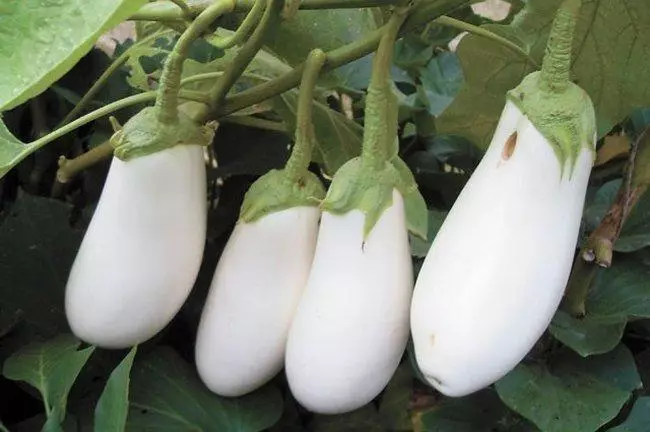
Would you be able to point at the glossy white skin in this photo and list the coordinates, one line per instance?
(253, 297)
(351, 327)
(142, 251)
(497, 269)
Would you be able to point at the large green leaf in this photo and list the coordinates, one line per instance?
(166, 394)
(113, 405)
(610, 49)
(617, 294)
(38, 248)
(639, 418)
(41, 40)
(481, 411)
(364, 419)
(571, 393)
(52, 368)
(327, 30)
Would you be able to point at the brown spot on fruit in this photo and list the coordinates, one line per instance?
(509, 147)
(432, 339)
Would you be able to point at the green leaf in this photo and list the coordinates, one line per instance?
(166, 394)
(396, 400)
(38, 248)
(412, 52)
(365, 419)
(617, 294)
(12, 150)
(571, 393)
(41, 40)
(610, 45)
(482, 411)
(639, 418)
(52, 368)
(113, 405)
(419, 247)
(338, 139)
(327, 30)
(441, 80)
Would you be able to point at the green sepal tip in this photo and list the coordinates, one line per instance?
(145, 134)
(360, 187)
(277, 190)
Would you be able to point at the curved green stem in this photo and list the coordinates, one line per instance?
(69, 168)
(480, 31)
(556, 67)
(380, 130)
(256, 122)
(246, 27)
(101, 81)
(245, 55)
(106, 110)
(164, 11)
(187, 12)
(300, 157)
(335, 58)
(170, 81)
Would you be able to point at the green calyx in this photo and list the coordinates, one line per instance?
(145, 134)
(358, 186)
(567, 119)
(279, 190)
(562, 111)
(366, 183)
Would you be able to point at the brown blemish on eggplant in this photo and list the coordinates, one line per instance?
(432, 339)
(509, 147)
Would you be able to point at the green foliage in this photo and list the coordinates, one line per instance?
(166, 393)
(582, 378)
(42, 40)
(609, 44)
(113, 405)
(51, 367)
(326, 30)
(569, 392)
(639, 418)
(616, 296)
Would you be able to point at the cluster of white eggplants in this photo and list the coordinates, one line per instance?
(304, 289)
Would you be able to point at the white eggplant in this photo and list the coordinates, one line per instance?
(497, 269)
(141, 253)
(351, 326)
(496, 272)
(253, 297)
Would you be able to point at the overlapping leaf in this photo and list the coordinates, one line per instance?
(610, 48)
(570, 393)
(41, 40)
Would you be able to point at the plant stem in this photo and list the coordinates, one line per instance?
(556, 67)
(69, 168)
(335, 58)
(599, 248)
(101, 81)
(380, 124)
(170, 81)
(243, 58)
(242, 32)
(163, 11)
(305, 137)
(104, 111)
(187, 12)
(482, 32)
(256, 122)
